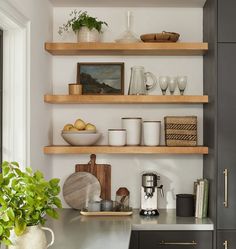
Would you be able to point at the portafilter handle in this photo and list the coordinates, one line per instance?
(161, 190)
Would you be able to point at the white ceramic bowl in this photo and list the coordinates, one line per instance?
(79, 139)
(78, 132)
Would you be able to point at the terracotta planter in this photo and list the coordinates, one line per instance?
(33, 238)
(87, 35)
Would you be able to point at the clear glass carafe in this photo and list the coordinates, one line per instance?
(138, 81)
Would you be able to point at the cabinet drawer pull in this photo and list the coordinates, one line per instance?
(193, 243)
(225, 172)
(225, 244)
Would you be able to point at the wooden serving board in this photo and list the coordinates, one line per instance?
(106, 213)
(79, 188)
(101, 171)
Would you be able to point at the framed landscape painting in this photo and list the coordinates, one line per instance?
(101, 78)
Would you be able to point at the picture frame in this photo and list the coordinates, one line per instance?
(101, 78)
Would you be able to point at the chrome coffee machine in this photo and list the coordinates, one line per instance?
(149, 191)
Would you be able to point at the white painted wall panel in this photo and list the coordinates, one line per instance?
(177, 172)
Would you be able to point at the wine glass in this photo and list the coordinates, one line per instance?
(182, 82)
(163, 82)
(172, 85)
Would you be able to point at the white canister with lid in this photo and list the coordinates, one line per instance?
(151, 133)
(117, 137)
(133, 127)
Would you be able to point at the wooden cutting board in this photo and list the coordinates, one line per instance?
(79, 188)
(101, 171)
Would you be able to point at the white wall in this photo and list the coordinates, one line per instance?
(39, 14)
(177, 172)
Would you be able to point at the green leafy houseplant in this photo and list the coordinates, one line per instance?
(25, 199)
(79, 19)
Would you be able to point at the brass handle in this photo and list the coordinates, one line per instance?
(225, 172)
(225, 244)
(193, 243)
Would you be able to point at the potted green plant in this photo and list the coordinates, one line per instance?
(88, 28)
(25, 199)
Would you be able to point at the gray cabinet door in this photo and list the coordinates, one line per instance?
(226, 20)
(226, 239)
(175, 240)
(226, 136)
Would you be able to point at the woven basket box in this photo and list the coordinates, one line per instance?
(181, 130)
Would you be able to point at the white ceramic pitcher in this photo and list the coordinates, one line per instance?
(33, 238)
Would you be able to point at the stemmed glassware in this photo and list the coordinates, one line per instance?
(172, 85)
(163, 82)
(182, 82)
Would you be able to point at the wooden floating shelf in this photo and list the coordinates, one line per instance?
(112, 48)
(124, 99)
(61, 149)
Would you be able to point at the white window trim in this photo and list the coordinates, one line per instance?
(16, 84)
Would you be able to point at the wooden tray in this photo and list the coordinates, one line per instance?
(160, 37)
(106, 213)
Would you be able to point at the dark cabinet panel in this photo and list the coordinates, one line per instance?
(226, 21)
(226, 239)
(175, 240)
(226, 136)
(134, 239)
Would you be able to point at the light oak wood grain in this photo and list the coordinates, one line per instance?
(61, 149)
(125, 99)
(111, 48)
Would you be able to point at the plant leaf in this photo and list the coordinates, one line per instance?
(54, 182)
(5, 217)
(11, 214)
(7, 242)
(5, 170)
(57, 202)
(29, 170)
(15, 164)
(52, 213)
(1, 230)
(20, 226)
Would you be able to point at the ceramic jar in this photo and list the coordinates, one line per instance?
(117, 137)
(33, 238)
(151, 133)
(133, 128)
(87, 35)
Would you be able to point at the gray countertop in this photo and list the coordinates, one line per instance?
(74, 231)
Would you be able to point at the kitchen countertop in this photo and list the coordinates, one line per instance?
(74, 231)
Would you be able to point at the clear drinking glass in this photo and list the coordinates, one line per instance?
(163, 82)
(182, 83)
(172, 85)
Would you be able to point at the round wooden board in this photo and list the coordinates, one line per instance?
(79, 188)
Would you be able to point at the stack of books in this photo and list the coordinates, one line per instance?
(201, 190)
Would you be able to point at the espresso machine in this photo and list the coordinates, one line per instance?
(149, 192)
